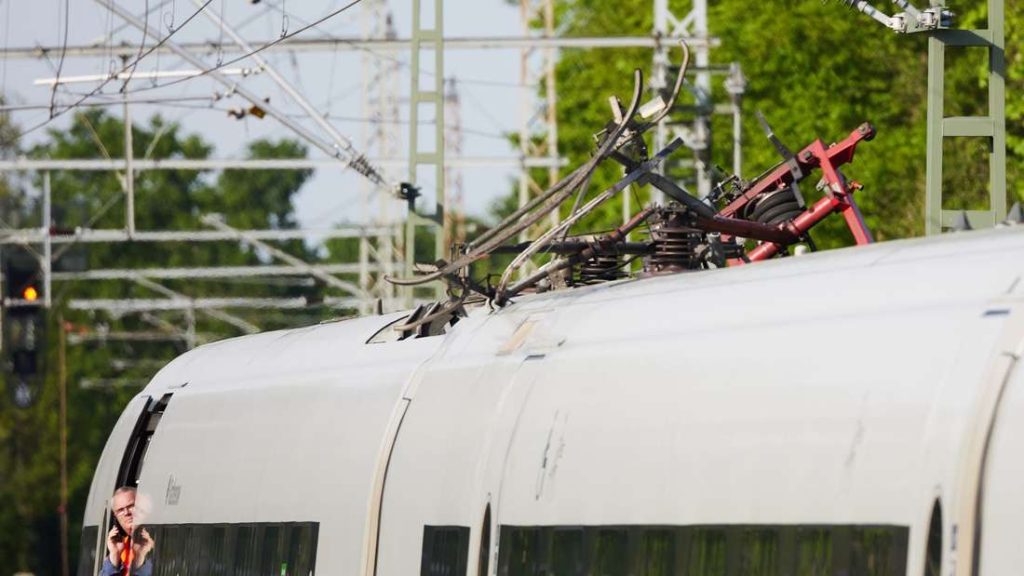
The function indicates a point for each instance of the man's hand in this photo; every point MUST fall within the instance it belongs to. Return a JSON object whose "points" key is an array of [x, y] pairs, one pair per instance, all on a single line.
{"points": [[142, 548], [115, 545]]}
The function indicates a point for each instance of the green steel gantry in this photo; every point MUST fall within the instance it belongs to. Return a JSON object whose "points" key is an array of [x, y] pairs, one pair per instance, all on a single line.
{"points": [[936, 22], [992, 126], [427, 39]]}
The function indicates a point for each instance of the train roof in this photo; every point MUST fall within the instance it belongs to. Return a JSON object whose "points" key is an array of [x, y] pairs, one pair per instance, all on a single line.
{"points": [[904, 273]]}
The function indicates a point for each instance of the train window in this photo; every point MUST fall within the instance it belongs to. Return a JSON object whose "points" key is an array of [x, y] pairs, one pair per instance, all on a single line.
{"points": [[247, 547], [445, 550], [659, 552], [270, 561], [814, 551], [759, 552], [567, 552], [216, 547], [518, 551], [877, 551], [767, 550], [87, 550], [167, 555], [251, 549], [707, 552], [301, 550], [611, 552]]}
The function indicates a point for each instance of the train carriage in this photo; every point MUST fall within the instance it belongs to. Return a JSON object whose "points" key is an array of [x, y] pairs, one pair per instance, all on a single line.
{"points": [[855, 412]]}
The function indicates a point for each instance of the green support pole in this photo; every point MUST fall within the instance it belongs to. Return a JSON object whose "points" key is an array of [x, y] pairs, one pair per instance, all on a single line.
{"points": [[426, 38], [992, 126], [936, 104]]}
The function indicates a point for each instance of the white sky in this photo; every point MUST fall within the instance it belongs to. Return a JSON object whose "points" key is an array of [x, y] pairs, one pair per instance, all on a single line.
{"points": [[331, 81]]}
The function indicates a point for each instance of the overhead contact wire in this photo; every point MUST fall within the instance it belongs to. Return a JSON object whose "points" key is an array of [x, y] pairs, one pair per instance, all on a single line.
{"points": [[63, 54], [99, 88]]}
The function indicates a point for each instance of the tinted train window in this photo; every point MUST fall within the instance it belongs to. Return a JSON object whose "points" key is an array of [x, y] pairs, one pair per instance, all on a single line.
{"points": [[769, 550], [445, 550], [301, 549], [611, 553], [759, 552], [707, 552], [251, 549], [87, 550], [814, 552], [877, 551], [659, 553], [518, 551], [567, 552]]}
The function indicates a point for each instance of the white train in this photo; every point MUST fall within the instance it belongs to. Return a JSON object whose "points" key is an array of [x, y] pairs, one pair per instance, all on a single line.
{"points": [[855, 412]]}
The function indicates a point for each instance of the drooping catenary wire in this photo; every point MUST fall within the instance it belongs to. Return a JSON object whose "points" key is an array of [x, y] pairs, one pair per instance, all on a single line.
{"points": [[149, 11], [402, 63], [100, 87], [306, 25], [256, 50], [63, 53], [142, 46]]}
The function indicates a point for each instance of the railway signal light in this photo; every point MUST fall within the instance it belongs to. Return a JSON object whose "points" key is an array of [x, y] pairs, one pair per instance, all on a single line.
{"points": [[22, 280], [30, 294], [23, 324]]}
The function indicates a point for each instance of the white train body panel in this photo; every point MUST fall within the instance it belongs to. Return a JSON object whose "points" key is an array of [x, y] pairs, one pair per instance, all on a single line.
{"points": [[837, 389]]}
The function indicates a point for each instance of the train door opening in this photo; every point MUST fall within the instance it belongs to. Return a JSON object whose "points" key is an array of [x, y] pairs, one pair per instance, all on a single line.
{"points": [[113, 471], [138, 445], [135, 430]]}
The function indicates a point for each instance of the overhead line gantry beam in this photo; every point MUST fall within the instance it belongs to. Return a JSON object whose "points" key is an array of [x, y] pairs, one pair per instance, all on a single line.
{"points": [[35, 235], [205, 273], [369, 45], [102, 165]]}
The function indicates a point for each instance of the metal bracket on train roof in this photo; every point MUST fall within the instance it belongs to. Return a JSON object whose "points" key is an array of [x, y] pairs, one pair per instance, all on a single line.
{"points": [[1016, 214], [961, 223], [426, 320]]}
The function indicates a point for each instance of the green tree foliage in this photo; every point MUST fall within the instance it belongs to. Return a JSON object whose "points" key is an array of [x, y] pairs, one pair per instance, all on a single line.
{"points": [[165, 200], [816, 69]]}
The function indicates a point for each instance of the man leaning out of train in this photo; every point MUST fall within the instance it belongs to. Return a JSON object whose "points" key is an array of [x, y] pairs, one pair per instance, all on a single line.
{"points": [[125, 554]]}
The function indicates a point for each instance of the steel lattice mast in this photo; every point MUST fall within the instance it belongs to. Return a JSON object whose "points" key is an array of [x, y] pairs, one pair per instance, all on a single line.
{"points": [[937, 22]]}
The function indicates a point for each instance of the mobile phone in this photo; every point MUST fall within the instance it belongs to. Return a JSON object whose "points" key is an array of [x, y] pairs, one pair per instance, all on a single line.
{"points": [[115, 524]]}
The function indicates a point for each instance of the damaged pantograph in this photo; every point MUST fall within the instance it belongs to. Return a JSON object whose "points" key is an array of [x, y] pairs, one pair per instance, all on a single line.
{"points": [[740, 222]]}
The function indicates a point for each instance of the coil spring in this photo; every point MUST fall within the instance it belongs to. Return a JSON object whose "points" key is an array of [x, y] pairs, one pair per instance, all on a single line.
{"points": [[773, 207], [674, 247], [601, 268]]}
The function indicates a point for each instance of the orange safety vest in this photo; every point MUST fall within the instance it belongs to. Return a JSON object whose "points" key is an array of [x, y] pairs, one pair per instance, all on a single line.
{"points": [[127, 555]]}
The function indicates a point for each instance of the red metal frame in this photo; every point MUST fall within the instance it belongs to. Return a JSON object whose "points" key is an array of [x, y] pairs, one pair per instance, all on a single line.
{"points": [[838, 192]]}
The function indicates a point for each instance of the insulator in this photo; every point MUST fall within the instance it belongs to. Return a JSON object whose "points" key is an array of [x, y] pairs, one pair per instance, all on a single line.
{"points": [[601, 268], [674, 246], [773, 207]]}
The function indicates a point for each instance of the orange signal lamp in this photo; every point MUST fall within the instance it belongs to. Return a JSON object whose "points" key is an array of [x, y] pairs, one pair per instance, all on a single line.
{"points": [[30, 294]]}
